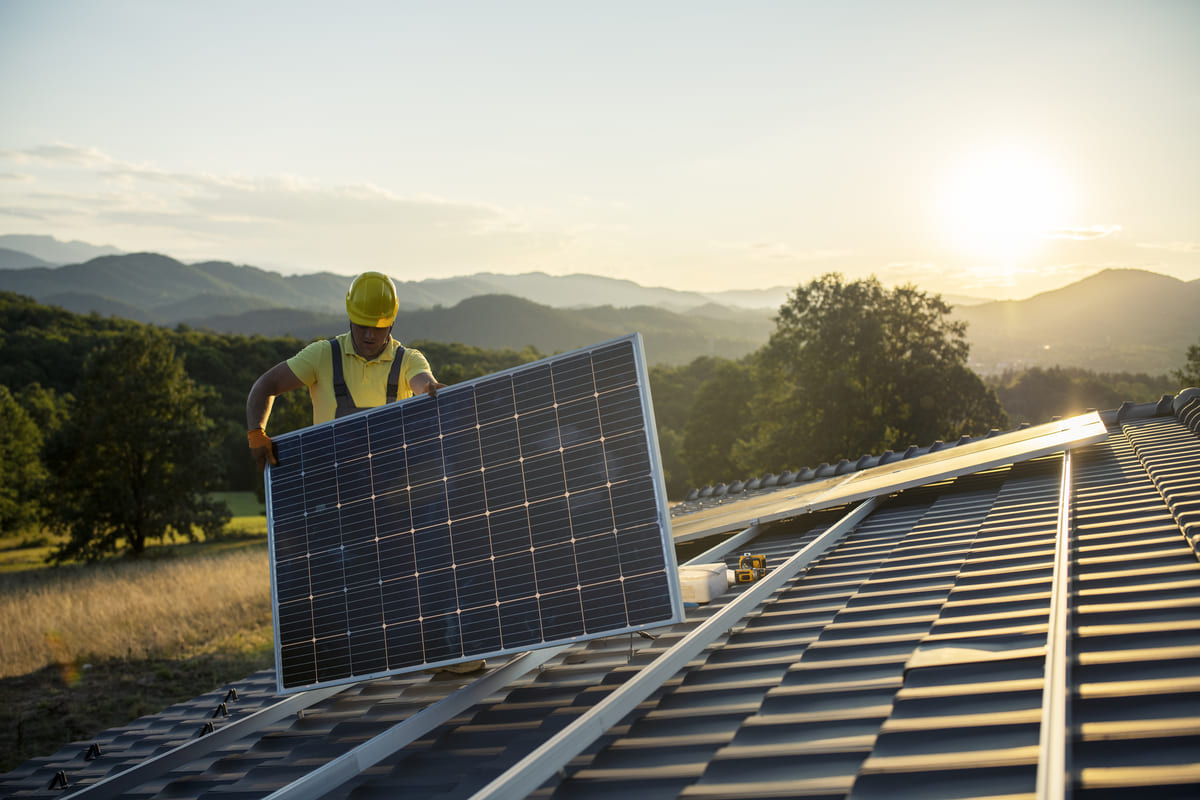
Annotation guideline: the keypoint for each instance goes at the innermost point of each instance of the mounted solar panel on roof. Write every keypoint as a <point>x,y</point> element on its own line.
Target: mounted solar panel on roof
<point>519,510</point>
<point>964,459</point>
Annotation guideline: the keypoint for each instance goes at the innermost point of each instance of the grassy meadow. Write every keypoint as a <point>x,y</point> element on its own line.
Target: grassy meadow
<point>88,647</point>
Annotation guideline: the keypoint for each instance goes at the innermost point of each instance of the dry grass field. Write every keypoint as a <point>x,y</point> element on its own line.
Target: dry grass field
<point>87,647</point>
<point>124,609</point>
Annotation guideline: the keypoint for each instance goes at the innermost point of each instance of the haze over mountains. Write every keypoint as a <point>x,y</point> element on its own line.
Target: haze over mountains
<point>46,250</point>
<point>1112,321</point>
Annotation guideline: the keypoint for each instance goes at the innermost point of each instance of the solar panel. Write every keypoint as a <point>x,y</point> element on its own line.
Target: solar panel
<point>519,510</point>
<point>963,459</point>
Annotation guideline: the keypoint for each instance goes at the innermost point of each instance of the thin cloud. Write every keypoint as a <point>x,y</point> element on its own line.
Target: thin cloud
<point>58,154</point>
<point>274,218</point>
<point>22,213</point>
<point>1084,233</point>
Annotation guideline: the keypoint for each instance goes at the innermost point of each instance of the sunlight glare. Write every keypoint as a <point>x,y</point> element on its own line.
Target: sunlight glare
<point>999,205</point>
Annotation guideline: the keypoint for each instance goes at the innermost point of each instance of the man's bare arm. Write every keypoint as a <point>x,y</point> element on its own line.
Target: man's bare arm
<point>424,383</point>
<point>272,383</point>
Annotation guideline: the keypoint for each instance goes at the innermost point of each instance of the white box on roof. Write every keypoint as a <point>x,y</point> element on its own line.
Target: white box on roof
<point>700,583</point>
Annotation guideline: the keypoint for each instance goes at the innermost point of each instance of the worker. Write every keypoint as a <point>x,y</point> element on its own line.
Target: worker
<point>362,368</point>
<point>359,369</point>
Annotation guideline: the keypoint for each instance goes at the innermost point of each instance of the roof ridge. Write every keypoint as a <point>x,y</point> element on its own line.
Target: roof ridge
<point>1185,406</point>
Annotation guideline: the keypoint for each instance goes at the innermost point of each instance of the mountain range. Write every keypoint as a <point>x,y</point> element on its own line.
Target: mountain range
<point>1112,321</point>
<point>23,250</point>
<point>1117,320</point>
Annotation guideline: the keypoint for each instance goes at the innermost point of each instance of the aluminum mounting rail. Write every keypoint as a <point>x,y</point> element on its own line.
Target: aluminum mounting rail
<point>544,761</point>
<point>121,783</point>
<point>1053,775</point>
<point>329,776</point>
<point>722,548</point>
<point>347,766</point>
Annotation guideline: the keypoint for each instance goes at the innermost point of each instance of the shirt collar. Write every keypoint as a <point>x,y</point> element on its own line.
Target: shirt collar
<point>388,354</point>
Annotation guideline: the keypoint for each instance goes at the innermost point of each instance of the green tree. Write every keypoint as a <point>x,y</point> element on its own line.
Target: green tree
<point>46,407</point>
<point>674,391</point>
<point>135,460</point>
<point>1037,394</point>
<point>20,464</point>
<point>1189,374</point>
<point>721,419</point>
<point>854,368</point>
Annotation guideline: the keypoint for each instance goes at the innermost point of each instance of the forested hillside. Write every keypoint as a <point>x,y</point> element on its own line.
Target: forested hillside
<point>701,407</point>
<point>47,346</point>
<point>508,322</point>
<point>1112,321</point>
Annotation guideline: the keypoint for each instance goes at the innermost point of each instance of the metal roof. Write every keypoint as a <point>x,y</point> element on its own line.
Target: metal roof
<point>1030,630</point>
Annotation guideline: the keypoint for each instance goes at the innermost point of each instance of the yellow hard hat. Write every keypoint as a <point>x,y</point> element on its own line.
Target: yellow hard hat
<point>372,301</point>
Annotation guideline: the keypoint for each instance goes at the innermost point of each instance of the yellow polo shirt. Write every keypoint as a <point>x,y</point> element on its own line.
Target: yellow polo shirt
<point>366,380</point>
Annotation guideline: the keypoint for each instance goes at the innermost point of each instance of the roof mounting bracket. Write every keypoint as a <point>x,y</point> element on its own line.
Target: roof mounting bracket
<point>554,754</point>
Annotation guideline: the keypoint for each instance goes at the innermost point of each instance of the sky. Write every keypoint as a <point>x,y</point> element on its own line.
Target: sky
<point>985,149</point>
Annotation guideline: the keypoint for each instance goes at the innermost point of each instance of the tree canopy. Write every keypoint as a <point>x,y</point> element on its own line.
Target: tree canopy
<point>135,460</point>
<point>1189,374</point>
<point>854,368</point>
<point>1037,394</point>
<point>851,368</point>
<point>20,464</point>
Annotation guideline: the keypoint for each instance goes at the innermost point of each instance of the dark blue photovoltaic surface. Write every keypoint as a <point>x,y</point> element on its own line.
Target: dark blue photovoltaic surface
<point>514,511</point>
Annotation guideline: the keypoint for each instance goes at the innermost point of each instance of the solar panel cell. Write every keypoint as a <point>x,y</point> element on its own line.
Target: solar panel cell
<point>538,432</point>
<point>481,627</point>
<point>350,440</point>
<point>404,649</point>
<point>514,576</point>
<point>520,623</point>
<point>579,422</point>
<point>572,377</point>
<point>619,413</point>
<point>494,399</point>
<point>420,419</point>
<point>554,568</point>
<point>465,495</point>
<point>604,606</point>
<point>562,614</point>
<point>385,434</point>
<point>584,467</point>
<point>461,451</point>
<point>504,485</point>
<point>357,521</point>
<point>476,583</point>
<point>533,388</point>
<point>625,458</point>
<point>470,538</point>
<point>544,477</point>
<point>517,510</point>
<point>456,411</point>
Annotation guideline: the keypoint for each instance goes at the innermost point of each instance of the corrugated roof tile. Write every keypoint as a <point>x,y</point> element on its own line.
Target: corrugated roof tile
<point>908,661</point>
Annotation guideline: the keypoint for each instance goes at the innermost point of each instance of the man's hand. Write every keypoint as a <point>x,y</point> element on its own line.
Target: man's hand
<point>425,384</point>
<point>262,449</point>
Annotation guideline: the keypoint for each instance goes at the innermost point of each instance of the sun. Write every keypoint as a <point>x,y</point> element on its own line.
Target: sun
<point>998,206</point>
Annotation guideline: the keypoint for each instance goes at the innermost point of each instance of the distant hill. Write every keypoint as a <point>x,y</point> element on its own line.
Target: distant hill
<point>505,321</point>
<point>578,291</point>
<point>155,283</point>
<point>48,250</point>
<point>165,290</point>
<point>15,259</point>
<point>1118,320</point>
<point>1113,321</point>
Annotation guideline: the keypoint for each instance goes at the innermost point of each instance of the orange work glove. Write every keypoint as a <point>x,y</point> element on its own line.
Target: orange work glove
<point>262,449</point>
